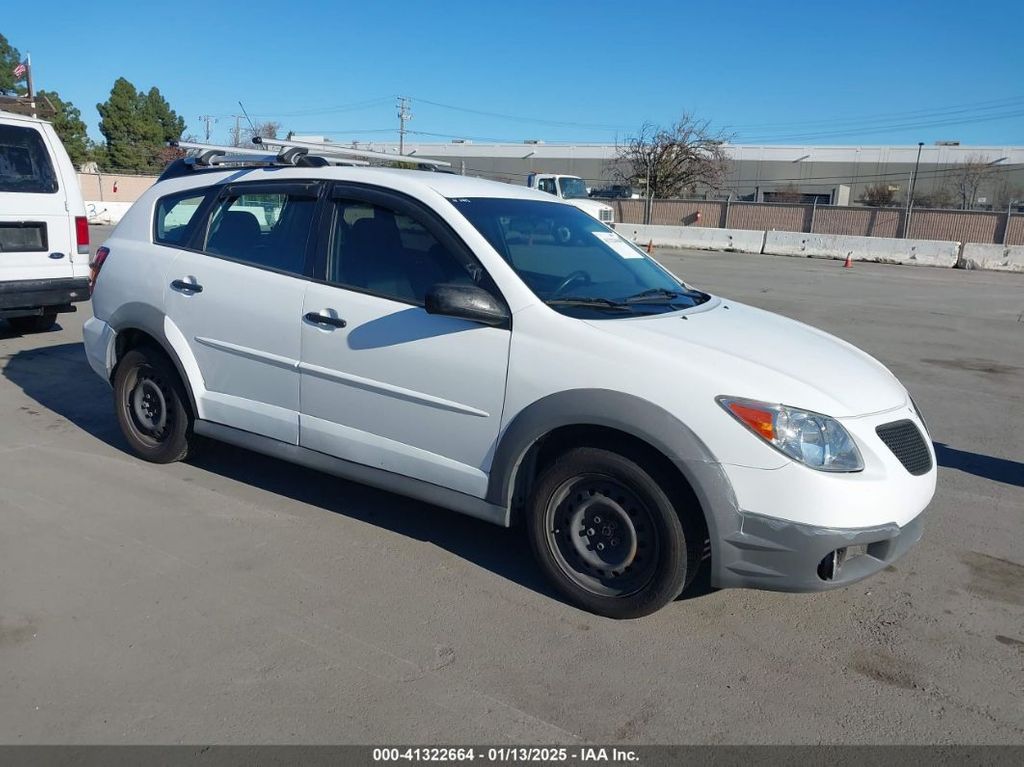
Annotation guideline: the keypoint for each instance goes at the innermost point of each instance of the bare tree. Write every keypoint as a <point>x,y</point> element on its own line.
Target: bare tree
<point>788,193</point>
<point>968,177</point>
<point>268,129</point>
<point>675,160</point>
<point>879,196</point>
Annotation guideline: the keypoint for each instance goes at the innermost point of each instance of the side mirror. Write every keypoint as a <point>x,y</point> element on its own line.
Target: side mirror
<point>467,302</point>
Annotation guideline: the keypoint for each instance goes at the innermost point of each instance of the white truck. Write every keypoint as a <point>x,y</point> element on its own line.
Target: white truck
<point>573,190</point>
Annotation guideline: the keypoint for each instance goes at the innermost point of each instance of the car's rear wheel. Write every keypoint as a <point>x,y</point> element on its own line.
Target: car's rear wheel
<point>608,535</point>
<point>37,323</point>
<point>152,408</point>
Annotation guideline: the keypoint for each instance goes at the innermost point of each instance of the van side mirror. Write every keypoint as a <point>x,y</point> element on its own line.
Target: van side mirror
<point>467,302</point>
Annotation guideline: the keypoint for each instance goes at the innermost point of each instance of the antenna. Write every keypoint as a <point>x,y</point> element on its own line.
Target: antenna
<point>246,115</point>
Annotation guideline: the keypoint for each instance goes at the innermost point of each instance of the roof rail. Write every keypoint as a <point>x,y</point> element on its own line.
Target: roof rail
<point>334,150</point>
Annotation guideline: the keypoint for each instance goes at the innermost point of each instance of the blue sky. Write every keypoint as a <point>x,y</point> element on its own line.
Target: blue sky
<point>782,73</point>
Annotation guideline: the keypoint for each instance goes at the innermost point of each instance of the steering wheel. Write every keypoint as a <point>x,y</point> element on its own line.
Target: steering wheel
<point>578,276</point>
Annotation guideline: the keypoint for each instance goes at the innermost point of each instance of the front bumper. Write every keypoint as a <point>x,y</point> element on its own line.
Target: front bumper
<point>21,298</point>
<point>773,554</point>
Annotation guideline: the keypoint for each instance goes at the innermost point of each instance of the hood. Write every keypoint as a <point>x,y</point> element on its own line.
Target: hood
<point>590,206</point>
<point>748,352</point>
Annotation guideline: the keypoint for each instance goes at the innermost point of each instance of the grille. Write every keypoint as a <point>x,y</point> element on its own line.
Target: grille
<point>907,444</point>
<point>606,215</point>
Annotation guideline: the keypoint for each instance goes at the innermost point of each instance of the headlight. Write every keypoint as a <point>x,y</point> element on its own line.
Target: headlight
<point>813,439</point>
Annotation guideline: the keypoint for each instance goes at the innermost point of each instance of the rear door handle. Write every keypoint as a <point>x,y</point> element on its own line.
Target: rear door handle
<point>324,319</point>
<point>187,287</point>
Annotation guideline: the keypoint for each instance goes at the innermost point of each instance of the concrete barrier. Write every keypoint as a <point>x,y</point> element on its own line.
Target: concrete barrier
<point>884,250</point>
<point>697,237</point>
<point>1000,258</point>
<point>100,212</point>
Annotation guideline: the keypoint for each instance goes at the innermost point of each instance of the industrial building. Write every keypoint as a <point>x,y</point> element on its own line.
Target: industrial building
<point>837,175</point>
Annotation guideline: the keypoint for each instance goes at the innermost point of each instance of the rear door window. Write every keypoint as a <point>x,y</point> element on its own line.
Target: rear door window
<point>25,164</point>
<point>265,225</point>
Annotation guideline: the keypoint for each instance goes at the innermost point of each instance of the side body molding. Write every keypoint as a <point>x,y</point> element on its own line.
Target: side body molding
<point>626,413</point>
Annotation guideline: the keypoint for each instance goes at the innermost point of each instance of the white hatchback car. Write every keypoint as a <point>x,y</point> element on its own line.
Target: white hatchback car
<point>493,350</point>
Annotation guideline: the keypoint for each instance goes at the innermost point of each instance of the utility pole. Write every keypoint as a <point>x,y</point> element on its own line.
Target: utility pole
<point>910,192</point>
<point>236,134</point>
<point>208,119</point>
<point>404,115</point>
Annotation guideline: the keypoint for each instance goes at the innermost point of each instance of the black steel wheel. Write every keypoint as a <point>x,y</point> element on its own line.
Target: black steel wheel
<point>151,406</point>
<point>608,535</point>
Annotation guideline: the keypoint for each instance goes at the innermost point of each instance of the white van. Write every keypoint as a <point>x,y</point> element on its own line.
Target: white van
<point>44,233</point>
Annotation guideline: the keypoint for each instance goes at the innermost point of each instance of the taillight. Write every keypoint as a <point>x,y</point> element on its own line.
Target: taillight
<point>82,233</point>
<point>95,265</point>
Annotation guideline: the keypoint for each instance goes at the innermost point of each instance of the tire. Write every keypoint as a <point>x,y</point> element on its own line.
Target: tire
<point>608,536</point>
<point>37,323</point>
<point>152,407</point>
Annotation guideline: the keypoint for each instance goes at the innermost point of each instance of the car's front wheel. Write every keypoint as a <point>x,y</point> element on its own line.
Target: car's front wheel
<point>152,407</point>
<point>608,535</point>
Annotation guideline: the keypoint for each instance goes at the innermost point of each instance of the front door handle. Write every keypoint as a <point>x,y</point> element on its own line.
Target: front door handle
<point>187,287</point>
<point>324,319</point>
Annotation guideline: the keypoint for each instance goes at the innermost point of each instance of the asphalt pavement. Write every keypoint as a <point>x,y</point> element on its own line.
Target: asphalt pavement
<point>238,599</point>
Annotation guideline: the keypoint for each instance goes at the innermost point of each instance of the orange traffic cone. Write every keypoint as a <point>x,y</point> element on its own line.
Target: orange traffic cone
<point>849,261</point>
<point>650,246</point>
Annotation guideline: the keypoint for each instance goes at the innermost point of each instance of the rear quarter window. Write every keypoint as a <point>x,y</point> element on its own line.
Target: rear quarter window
<point>176,216</point>
<point>25,164</point>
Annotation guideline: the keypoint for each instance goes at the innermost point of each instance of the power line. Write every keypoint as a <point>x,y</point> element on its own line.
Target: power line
<point>524,119</point>
<point>852,120</point>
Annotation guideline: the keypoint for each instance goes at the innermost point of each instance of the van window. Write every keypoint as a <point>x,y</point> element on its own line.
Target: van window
<point>25,162</point>
<point>175,215</point>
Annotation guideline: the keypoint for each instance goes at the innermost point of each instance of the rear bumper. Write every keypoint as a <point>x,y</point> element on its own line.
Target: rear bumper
<point>773,554</point>
<point>20,298</point>
<point>99,341</point>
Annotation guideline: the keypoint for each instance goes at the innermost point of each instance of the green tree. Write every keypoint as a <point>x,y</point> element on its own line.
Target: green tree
<point>158,110</point>
<point>134,136</point>
<point>10,57</point>
<point>68,123</point>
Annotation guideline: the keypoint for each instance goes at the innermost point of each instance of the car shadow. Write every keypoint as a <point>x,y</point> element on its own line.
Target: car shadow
<point>996,469</point>
<point>60,379</point>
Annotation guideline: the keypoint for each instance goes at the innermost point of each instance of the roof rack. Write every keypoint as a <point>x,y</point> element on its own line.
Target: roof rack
<point>333,150</point>
<point>280,152</point>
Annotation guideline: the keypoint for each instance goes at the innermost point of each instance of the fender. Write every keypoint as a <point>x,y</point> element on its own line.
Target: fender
<point>632,415</point>
<point>139,316</point>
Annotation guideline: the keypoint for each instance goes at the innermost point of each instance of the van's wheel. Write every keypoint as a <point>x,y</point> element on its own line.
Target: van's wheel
<point>37,323</point>
<point>152,407</point>
<point>608,536</point>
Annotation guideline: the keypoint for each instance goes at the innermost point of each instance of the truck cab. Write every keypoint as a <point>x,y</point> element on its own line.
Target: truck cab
<point>573,190</point>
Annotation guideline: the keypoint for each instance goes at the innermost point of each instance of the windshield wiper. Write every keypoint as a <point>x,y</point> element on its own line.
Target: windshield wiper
<point>654,295</point>
<point>591,301</point>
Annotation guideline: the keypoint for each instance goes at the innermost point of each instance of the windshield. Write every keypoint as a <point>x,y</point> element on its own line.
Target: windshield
<point>573,262</point>
<point>572,188</point>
